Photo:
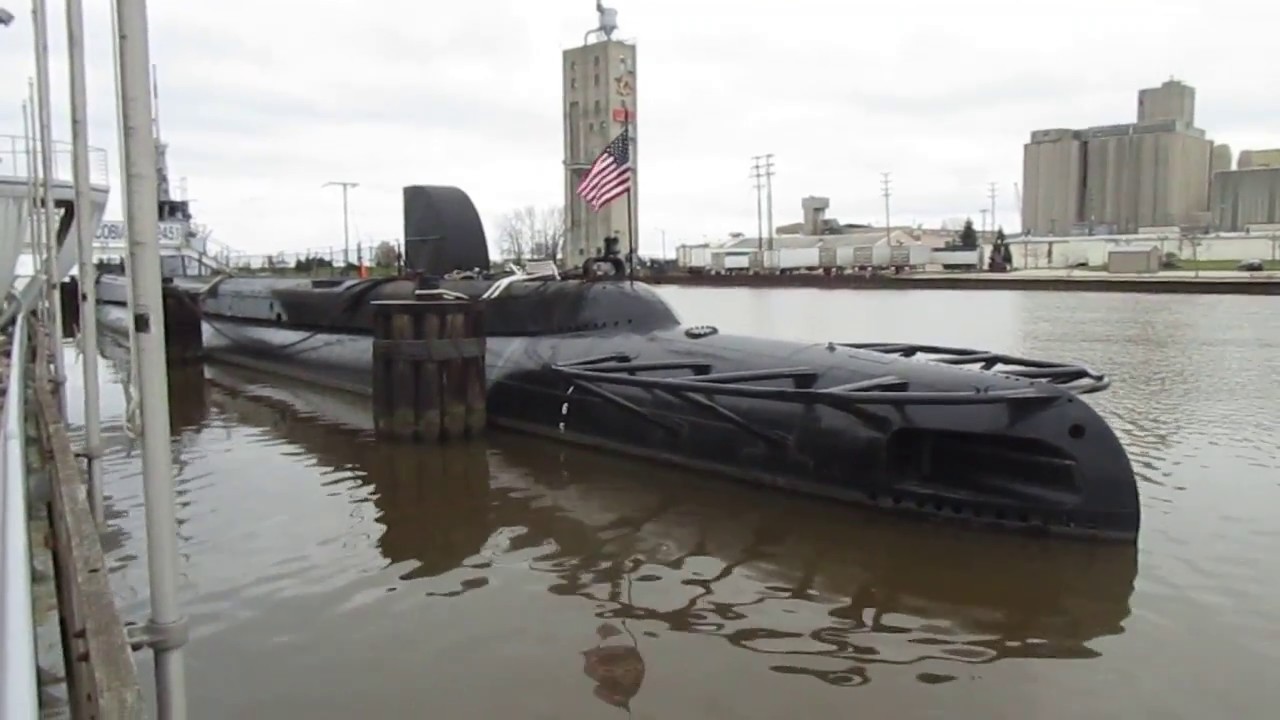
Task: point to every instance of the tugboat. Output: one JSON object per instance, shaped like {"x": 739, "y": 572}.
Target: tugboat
{"x": 601, "y": 360}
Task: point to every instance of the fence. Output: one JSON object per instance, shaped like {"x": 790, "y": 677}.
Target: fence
{"x": 14, "y": 160}
{"x": 382, "y": 257}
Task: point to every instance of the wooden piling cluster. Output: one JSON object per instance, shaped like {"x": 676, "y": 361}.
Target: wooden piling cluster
{"x": 428, "y": 369}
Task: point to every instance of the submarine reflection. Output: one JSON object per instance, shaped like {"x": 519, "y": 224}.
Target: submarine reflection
{"x": 188, "y": 391}
{"x": 770, "y": 574}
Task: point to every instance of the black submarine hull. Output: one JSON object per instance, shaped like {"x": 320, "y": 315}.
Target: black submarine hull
{"x": 608, "y": 365}
{"x": 945, "y": 432}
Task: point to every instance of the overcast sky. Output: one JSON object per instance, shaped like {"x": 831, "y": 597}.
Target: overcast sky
{"x": 262, "y": 101}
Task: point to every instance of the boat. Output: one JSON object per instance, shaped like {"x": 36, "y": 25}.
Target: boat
{"x": 598, "y": 359}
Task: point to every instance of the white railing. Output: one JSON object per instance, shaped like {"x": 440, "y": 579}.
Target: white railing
{"x": 13, "y": 161}
{"x": 17, "y": 628}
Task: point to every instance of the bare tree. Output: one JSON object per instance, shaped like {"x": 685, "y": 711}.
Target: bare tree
{"x": 531, "y": 233}
{"x": 549, "y": 234}
{"x": 515, "y": 233}
{"x": 384, "y": 254}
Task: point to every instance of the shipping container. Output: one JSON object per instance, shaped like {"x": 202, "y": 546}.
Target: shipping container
{"x": 914, "y": 255}
{"x": 957, "y": 258}
{"x": 798, "y": 258}
{"x": 693, "y": 257}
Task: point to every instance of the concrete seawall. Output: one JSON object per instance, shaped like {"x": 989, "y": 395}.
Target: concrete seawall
{"x": 1206, "y": 284}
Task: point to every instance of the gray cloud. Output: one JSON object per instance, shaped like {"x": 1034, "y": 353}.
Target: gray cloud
{"x": 264, "y": 101}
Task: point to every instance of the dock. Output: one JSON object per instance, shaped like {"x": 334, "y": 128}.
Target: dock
{"x": 1179, "y": 282}
{"x": 70, "y": 657}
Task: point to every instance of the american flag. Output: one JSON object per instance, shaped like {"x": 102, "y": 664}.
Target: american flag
{"x": 610, "y": 174}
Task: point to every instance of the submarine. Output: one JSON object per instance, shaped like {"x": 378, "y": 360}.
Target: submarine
{"x": 595, "y": 358}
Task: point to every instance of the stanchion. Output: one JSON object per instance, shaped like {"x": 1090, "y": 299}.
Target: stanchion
{"x": 166, "y": 631}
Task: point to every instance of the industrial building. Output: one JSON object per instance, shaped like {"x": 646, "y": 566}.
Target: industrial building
{"x": 1247, "y": 198}
{"x": 1261, "y": 242}
{"x": 1250, "y": 159}
{"x": 599, "y": 100}
{"x": 816, "y": 230}
{"x": 1119, "y": 178}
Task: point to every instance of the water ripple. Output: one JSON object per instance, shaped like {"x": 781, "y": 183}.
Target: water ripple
{"x": 328, "y": 575}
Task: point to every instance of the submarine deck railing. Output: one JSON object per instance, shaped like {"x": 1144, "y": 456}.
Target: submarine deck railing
{"x": 533, "y": 271}
{"x": 699, "y": 389}
{"x": 619, "y": 369}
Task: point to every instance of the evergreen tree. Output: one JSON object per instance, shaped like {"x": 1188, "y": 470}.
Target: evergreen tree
{"x": 1000, "y": 235}
{"x": 968, "y": 236}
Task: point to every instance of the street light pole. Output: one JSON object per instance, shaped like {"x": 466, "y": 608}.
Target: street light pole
{"x": 346, "y": 228}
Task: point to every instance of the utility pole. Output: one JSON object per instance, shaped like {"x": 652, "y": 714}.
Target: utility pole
{"x": 768, "y": 202}
{"x": 983, "y": 212}
{"x": 84, "y": 233}
{"x": 991, "y": 193}
{"x": 166, "y": 630}
{"x": 884, "y": 190}
{"x": 346, "y": 229}
{"x": 757, "y": 174}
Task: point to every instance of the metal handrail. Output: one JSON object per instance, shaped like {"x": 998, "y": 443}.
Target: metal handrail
{"x": 13, "y": 160}
{"x": 17, "y": 626}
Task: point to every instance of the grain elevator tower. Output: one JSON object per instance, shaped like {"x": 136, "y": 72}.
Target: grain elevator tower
{"x": 599, "y": 100}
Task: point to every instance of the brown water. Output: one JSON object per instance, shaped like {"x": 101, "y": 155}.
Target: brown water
{"x": 329, "y": 577}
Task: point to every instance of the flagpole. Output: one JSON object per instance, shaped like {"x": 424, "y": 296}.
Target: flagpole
{"x": 631, "y": 237}
{"x": 631, "y": 183}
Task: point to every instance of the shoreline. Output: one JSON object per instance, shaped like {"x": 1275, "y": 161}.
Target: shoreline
{"x": 1033, "y": 281}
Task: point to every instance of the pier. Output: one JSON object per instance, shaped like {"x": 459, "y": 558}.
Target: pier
{"x": 1182, "y": 283}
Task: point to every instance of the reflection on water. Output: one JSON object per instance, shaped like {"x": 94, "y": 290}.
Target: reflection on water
{"x": 328, "y": 575}
{"x": 618, "y": 670}
{"x": 771, "y": 575}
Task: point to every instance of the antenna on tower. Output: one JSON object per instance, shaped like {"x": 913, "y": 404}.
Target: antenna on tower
{"x": 162, "y": 160}
{"x": 155, "y": 103}
{"x": 607, "y": 19}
